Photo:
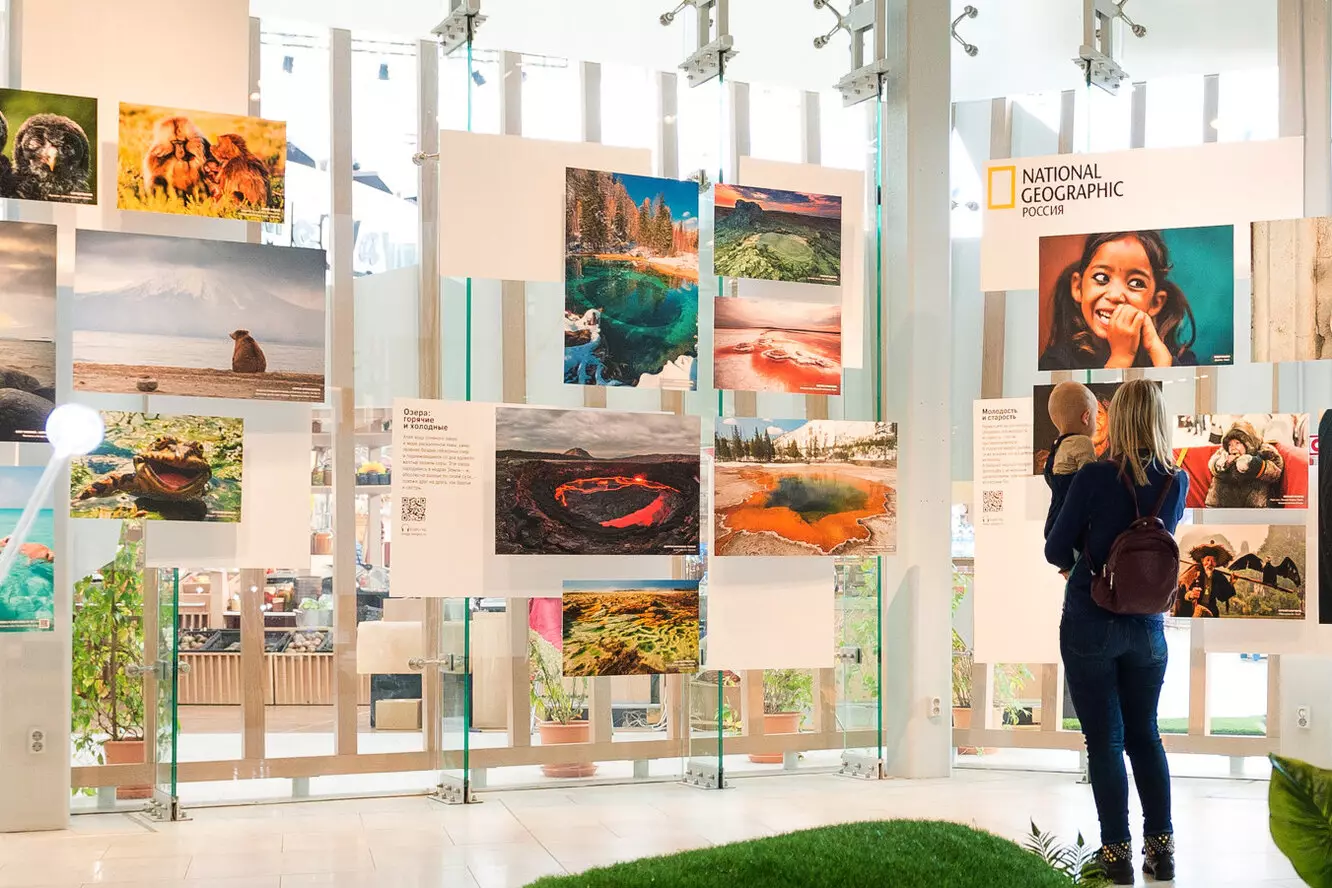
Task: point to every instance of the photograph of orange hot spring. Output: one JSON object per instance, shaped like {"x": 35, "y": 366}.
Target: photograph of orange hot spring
{"x": 767, "y": 345}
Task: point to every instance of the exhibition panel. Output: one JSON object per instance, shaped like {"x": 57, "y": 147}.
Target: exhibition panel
{"x": 476, "y": 419}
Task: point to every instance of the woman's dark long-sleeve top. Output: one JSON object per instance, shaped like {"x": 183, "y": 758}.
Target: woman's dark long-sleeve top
{"x": 1096, "y": 511}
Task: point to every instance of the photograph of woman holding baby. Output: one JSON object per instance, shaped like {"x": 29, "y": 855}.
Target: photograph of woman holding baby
{"x": 1138, "y": 299}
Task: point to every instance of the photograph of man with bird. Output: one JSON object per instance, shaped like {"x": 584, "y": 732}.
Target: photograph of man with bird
{"x": 1264, "y": 580}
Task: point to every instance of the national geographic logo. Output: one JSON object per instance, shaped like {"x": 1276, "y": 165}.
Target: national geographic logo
{"x": 1046, "y": 190}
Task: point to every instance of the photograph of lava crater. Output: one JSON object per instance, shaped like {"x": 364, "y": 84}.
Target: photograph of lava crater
{"x": 766, "y": 345}
{"x": 630, "y": 627}
{"x": 595, "y": 482}
{"x": 805, "y": 487}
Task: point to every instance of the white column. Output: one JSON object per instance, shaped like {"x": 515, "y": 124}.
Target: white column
{"x": 917, "y": 582}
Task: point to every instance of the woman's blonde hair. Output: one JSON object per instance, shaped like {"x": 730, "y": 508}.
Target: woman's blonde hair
{"x": 1140, "y": 429}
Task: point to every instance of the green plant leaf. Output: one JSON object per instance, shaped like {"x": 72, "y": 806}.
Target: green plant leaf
{"x": 1299, "y": 801}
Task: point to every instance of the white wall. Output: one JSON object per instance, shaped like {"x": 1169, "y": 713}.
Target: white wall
{"x": 137, "y": 51}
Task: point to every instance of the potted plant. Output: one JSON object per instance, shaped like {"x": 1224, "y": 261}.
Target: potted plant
{"x": 558, "y": 705}
{"x": 787, "y": 693}
{"x": 107, "y": 705}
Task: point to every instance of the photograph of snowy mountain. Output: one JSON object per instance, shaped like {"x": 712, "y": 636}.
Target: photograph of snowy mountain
{"x": 805, "y": 487}
{"x": 201, "y": 318}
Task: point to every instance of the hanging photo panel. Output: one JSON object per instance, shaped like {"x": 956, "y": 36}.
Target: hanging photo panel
{"x": 1044, "y": 431}
{"x": 161, "y": 468}
{"x": 1249, "y": 461}
{"x": 27, "y": 329}
{"x": 50, "y": 144}
{"x": 805, "y": 487}
{"x": 197, "y": 163}
{"x": 767, "y": 345}
{"x": 1231, "y": 571}
{"x": 1146, "y": 298}
{"x": 630, "y": 627}
{"x": 595, "y": 482}
{"x": 202, "y": 318}
{"x": 770, "y": 234}
{"x": 630, "y": 281}
{"x": 27, "y": 594}
{"x": 1230, "y": 183}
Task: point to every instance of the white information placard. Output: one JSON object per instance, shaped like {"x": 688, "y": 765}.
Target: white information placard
{"x": 1018, "y": 595}
{"x": 1217, "y": 184}
{"x": 444, "y": 457}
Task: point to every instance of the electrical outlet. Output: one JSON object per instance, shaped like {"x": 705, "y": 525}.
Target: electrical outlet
{"x": 936, "y": 707}
{"x": 1303, "y": 718}
{"x": 36, "y": 741}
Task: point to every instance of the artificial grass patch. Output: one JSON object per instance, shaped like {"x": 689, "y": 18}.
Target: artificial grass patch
{"x": 877, "y": 854}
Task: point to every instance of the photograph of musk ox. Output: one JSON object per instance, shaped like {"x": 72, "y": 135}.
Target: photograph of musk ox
{"x": 1244, "y": 461}
{"x": 201, "y": 318}
{"x": 595, "y": 482}
{"x": 201, "y": 164}
{"x": 48, "y": 147}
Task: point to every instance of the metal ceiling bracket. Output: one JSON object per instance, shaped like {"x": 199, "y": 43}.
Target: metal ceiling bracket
{"x": 459, "y": 27}
{"x": 716, "y": 47}
{"x": 1098, "y": 56}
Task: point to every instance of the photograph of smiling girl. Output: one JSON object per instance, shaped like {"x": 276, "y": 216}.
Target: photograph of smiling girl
{"x": 1124, "y": 299}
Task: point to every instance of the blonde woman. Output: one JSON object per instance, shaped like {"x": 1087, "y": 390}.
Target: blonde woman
{"x": 1116, "y": 664}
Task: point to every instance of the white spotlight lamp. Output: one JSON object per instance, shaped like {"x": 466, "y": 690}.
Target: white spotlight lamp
{"x": 73, "y": 430}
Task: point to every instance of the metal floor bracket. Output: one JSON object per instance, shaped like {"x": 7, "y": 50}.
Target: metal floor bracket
{"x": 861, "y": 766}
{"x": 704, "y": 775}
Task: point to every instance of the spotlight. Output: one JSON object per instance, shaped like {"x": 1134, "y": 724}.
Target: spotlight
{"x": 74, "y": 430}
{"x": 667, "y": 19}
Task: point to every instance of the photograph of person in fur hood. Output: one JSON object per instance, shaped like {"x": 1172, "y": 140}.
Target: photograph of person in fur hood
{"x": 1249, "y": 461}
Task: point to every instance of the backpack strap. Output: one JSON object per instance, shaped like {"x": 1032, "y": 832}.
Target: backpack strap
{"x": 1133, "y": 492}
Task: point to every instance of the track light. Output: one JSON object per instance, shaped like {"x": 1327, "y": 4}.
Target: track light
{"x": 668, "y": 18}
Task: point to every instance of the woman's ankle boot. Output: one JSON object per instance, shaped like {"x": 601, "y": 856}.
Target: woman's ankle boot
{"x": 1116, "y": 862}
{"x": 1160, "y": 857}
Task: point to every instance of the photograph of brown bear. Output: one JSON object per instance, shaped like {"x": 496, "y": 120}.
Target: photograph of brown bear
{"x": 201, "y": 164}
{"x": 201, "y": 318}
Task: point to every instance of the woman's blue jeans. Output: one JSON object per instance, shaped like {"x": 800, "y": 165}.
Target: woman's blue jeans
{"x": 1115, "y": 668}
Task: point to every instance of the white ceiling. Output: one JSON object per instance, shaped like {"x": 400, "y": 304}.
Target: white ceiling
{"x": 1025, "y": 45}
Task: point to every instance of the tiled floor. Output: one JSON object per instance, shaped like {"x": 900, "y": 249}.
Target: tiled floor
{"x": 514, "y": 837}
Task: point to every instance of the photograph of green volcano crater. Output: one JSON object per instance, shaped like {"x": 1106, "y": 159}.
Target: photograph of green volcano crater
{"x": 772, "y": 235}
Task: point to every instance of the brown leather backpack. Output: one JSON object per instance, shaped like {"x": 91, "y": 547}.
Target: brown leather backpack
{"x": 1141, "y": 575}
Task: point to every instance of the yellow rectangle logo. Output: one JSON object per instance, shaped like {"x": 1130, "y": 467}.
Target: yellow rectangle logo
{"x": 1001, "y": 187}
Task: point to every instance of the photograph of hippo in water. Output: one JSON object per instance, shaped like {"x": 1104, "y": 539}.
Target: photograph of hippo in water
{"x": 161, "y": 468}
{"x": 27, "y": 329}
{"x": 595, "y": 482}
{"x": 27, "y": 594}
{"x": 198, "y": 318}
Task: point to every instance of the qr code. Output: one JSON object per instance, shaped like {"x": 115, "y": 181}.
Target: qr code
{"x": 414, "y": 509}
{"x": 993, "y": 501}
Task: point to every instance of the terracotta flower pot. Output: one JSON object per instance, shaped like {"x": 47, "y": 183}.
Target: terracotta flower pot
{"x": 127, "y": 752}
{"x": 776, "y": 723}
{"x": 554, "y": 734}
{"x": 962, "y": 721}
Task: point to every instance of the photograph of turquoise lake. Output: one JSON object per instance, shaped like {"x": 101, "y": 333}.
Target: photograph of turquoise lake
{"x": 27, "y": 596}
{"x": 630, "y": 281}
